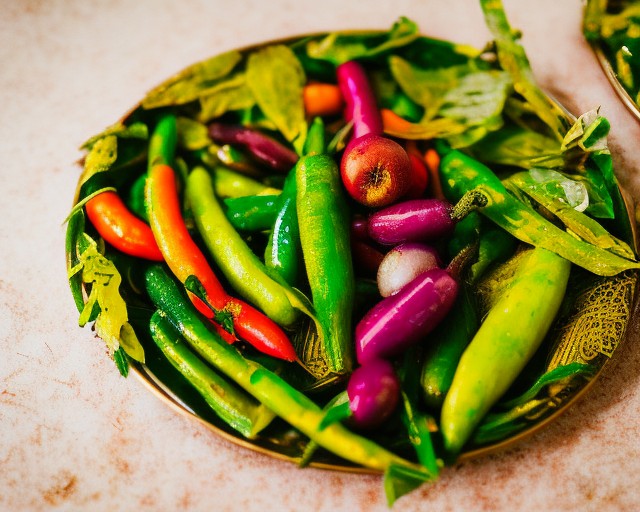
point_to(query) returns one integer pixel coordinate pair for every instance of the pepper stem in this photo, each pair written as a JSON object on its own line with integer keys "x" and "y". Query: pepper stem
{"x": 470, "y": 201}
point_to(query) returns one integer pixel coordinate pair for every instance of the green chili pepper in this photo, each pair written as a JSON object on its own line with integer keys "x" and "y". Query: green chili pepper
{"x": 229, "y": 183}
{"x": 282, "y": 253}
{"x": 252, "y": 213}
{"x": 506, "y": 340}
{"x": 446, "y": 345}
{"x": 272, "y": 391}
{"x": 240, "y": 265}
{"x": 461, "y": 173}
{"x": 135, "y": 197}
{"x": 232, "y": 404}
{"x": 323, "y": 219}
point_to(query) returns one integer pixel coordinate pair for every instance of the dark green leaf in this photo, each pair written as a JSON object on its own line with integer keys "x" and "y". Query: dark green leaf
{"x": 122, "y": 362}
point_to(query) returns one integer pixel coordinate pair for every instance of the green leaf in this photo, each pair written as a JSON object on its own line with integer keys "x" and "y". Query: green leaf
{"x": 513, "y": 59}
{"x": 339, "y": 47}
{"x": 75, "y": 229}
{"x": 101, "y": 157}
{"x": 401, "y": 480}
{"x": 111, "y": 324}
{"x": 192, "y": 135}
{"x": 227, "y": 96}
{"x": 566, "y": 199}
{"x": 122, "y": 363}
{"x": 427, "y": 87}
{"x": 518, "y": 146}
{"x": 193, "y": 82}
{"x": 137, "y": 130}
{"x": 276, "y": 78}
{"x": 554, "y": 376}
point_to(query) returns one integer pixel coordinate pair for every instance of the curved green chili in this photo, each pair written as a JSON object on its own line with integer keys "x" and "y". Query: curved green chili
{"x": 323, "y": 218}
{"x": 506, "y": 340}
{"x": 229, "y": 183}
{"x": 461, "y": 173}
{"x": 282, "y": 253}
{"x": 232, "y": 405}
{"x": 240, "y": 265}
{"x": 268, "y": 388}
{"x": 445, "y": 347}
{"x": 252, "y": 213}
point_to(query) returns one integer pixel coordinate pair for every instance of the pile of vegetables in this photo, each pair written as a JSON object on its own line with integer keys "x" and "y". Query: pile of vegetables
{"x": 613, "y": 28}
{"x": 356, "y": 248}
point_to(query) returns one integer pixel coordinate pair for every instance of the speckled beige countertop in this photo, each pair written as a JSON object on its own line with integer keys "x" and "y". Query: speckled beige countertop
{"x": 75, "y": 436}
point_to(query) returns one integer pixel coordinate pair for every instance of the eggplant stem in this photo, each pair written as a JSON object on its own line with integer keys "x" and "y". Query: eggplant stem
{"x": 470, "y": 201}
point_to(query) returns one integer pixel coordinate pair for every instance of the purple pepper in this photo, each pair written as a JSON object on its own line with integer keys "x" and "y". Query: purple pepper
{"x": 401, "y": 320}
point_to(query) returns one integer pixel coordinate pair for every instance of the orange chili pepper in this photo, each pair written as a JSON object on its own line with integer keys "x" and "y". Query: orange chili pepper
{"x": 393, "y": 123}
{"x": 185, "y": 259}
{"x": 322, "y": 99}
{"x": 121, "y": 228}
{"x": 432, "y": 160}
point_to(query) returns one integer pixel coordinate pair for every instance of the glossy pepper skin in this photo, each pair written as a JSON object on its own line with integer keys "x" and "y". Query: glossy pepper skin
{"x": 323, "y": 218}
{"x": 121, "y": 228}
{"x": 252, "y": 213}
{"x": 266, "y": 386}
{"x": 185, "y": 259}
{"x": 507, "y": 338}
{"x": 235, "y": 407}
{"x": 283, "y": 251}
{"x": 461, "y": 172}
{"x": 239, "y": 264}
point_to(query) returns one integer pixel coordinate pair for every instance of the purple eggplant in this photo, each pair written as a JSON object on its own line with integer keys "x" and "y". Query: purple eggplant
{"x": 415, "y": 220}
{"x": 421, "y": 220}
{"x": 260, "y": 146}
{"x": 401, "y": 320}
{"x": 374, "y": 392}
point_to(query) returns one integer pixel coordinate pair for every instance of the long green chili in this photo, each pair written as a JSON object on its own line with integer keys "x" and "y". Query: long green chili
{"x": 506, "y": 340}
{"x": 234, "y": 406}
{"x": 461, "y": 172}
{"x": 270, "y": 389}
{"x": 244, "y": 270}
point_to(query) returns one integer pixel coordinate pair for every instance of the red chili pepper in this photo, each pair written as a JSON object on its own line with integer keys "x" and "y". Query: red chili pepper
{"x": 121, "y": 228}
{"x": 186, "y": 259}
{"x": 419, "y": 175}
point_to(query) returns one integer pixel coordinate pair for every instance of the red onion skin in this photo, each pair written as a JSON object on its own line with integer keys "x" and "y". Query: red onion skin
{"x": 262, "y": 147}
{"x": 401, "y": 320}
{"x": 415, "y": 220}
{"x": 374, "y": 393}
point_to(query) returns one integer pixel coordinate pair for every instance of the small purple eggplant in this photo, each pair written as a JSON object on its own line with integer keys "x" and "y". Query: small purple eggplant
{"x": 374, "y": 392}
{"x": 421, "y": 220}
{"x": 260, "y": 146}
{"x": 401, "y": 320}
